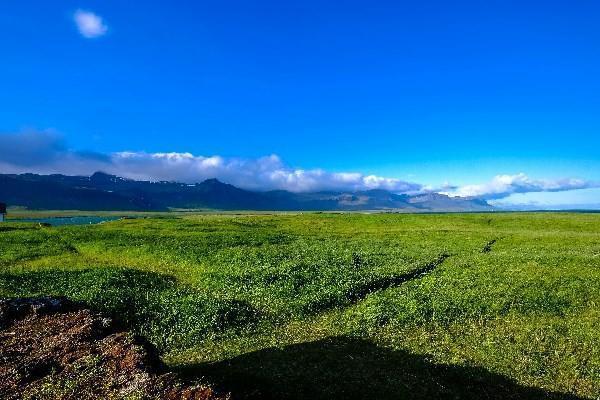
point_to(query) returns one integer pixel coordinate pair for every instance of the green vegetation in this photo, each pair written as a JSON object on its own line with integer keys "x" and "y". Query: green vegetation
{"x": 340, "y": 305}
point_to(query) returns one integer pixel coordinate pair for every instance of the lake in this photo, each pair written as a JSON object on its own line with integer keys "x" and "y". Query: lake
{"x": 60, "y": 221}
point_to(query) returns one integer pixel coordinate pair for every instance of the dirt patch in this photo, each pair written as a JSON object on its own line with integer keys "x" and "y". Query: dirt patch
{"x": 488, "y": 246}
{"x": 52, "y": 348}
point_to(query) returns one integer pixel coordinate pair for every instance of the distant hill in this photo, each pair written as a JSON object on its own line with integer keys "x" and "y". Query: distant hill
{"x": 108, "y": 192}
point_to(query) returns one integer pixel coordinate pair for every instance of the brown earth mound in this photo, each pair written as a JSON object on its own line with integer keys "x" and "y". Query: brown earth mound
{"x": 52, "y": 348}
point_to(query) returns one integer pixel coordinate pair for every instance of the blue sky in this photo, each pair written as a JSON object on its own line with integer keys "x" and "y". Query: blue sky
{"x": 432, "y": 92}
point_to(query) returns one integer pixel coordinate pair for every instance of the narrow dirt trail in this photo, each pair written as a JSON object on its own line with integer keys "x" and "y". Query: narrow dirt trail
{"x": 358, "y": 294}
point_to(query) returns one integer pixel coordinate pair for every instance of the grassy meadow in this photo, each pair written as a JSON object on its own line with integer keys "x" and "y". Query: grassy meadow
{"x": 322, "y": 306}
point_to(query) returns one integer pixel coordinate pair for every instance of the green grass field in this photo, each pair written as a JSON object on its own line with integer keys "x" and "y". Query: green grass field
{"x": 340, "y": 305}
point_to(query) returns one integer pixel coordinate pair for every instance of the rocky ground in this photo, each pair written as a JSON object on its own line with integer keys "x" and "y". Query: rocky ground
{"x": 52, "y": 348}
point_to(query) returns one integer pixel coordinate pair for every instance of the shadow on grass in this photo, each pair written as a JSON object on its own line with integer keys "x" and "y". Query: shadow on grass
{"x": 348, "y": 368}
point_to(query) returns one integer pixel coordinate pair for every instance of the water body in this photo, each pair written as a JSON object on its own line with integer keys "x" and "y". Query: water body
{"x": 60, "y": 221}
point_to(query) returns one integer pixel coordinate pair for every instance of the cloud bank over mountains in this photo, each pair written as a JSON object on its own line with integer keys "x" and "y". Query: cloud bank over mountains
{"x": 504, "y": 185}
{"x": 46, "y": 152}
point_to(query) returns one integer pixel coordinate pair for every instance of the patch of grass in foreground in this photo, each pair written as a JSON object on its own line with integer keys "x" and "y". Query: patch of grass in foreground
{"x": 293, "y": 300}
{"x": 155, "y": 306}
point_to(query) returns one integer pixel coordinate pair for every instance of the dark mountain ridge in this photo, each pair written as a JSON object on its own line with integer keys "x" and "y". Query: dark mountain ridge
{"x": 102, "y": 191}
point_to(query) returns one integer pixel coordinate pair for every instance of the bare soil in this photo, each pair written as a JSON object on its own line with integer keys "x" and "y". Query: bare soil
{"x": 52, "y": 348}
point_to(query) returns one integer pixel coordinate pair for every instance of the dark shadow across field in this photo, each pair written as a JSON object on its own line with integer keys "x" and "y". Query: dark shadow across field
{"x": 349, "y": 368}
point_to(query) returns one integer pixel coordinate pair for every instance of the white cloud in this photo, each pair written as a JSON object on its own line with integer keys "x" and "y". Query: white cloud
{"x": 570, "y": 199}
{"x": 46, "y": 152}
{"x": 504, "y": 185}
{"x": 90, "y": 25}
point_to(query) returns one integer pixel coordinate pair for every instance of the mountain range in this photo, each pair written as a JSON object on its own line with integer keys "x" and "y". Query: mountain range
{"x": 102, "y": 191}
